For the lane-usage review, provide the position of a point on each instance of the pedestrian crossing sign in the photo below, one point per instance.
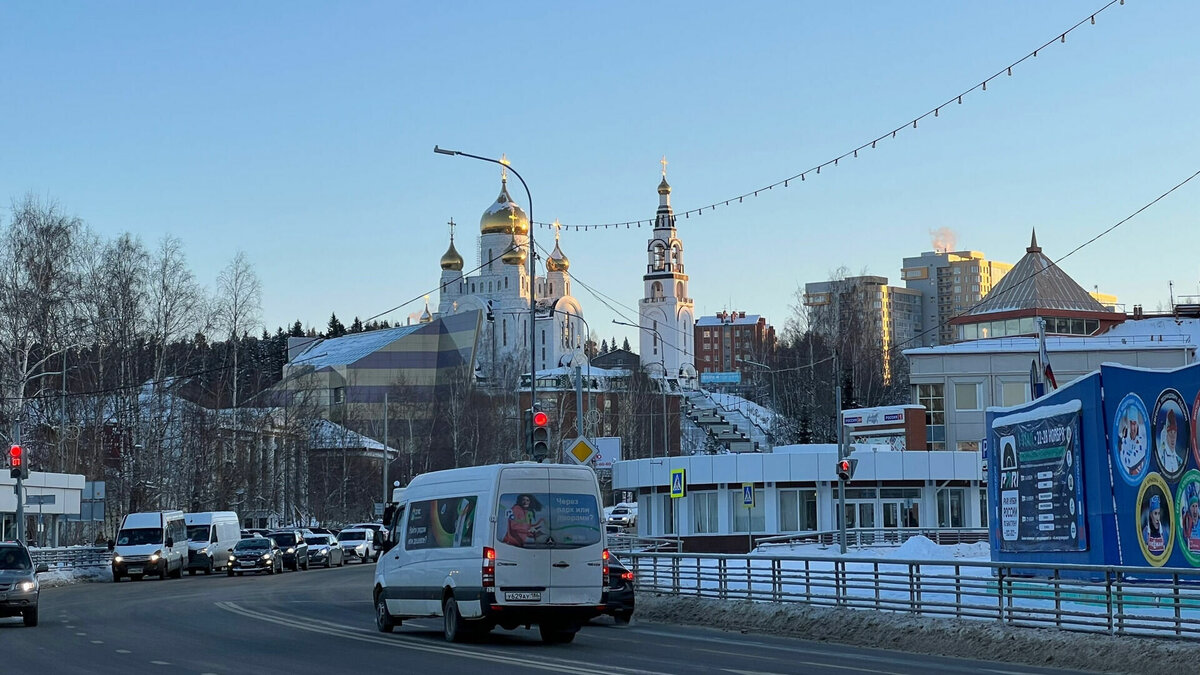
(678, 483)
(748, 495)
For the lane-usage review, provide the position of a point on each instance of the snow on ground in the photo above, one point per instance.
(65, 576)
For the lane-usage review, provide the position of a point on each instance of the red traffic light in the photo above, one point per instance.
(540, 419)
(14, 456)
(844, 466)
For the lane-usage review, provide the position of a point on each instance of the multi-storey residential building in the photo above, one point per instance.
(731, 341)
(893, 314)
(950, 283)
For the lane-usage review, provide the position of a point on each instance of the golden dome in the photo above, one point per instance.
(515, 255)
(557, 262)
(504, 216)
(426, 315)
(451, 260)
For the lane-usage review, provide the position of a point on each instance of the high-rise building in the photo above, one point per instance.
(892, 314)
(950, 283)
(729, 341)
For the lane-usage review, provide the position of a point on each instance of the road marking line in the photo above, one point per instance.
(123, 651)
(97, 642)
(81, 634)
(161, 663)
(363, 635)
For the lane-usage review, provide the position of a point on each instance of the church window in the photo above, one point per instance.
(504, 327)
(551, 288)
(659, 255)
(489, 287)
(506, 283)
(679, 289)
(656, 291)
(543, 341)
(489, 258)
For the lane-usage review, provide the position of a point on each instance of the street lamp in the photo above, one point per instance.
(579, 404)
(663, 363)
(532, 272)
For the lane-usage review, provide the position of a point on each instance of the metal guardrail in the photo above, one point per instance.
(72, 557)
(631, 543)
(1162, 602)
(881, 536)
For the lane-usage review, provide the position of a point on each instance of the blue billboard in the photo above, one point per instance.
(1135, 483)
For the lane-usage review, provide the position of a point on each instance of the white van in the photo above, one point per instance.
(153, 543)
(503, 545)
(211, 538)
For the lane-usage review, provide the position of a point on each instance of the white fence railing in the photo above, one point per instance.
(1115, 600)
(72, 557)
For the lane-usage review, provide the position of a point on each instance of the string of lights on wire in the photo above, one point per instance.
(853, 153)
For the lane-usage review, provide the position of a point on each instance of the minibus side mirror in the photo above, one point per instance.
(111, 544)
(42, 567)
(388, 512)
(170, 542)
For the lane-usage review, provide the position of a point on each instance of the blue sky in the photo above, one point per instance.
(302, 133)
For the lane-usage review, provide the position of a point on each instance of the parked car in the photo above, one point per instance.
(618, 595)
(357, 543)
(323, 530)
(323, 549)
(19, 589)
(295, 550)
(254, 555)
(623, 515)
(247, 534)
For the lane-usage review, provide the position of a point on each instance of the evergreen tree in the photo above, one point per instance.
(335, 329)
(357, 326)
(297, 329)
(604, 346)
(625, 345)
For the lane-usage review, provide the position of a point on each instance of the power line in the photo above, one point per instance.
(910, 125)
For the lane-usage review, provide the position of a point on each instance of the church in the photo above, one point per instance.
(500, 285)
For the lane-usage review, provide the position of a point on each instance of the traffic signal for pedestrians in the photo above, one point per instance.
(16, 461)
(540, 447)
(845, 468)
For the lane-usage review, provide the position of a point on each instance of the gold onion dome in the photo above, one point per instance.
(557, 262)
(451, 260)
(664, 188)
(426, 315)
(504, 216)
(515, 255)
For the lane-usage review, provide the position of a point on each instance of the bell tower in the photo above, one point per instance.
(666, 311)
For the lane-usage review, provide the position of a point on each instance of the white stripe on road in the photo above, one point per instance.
(363, 635)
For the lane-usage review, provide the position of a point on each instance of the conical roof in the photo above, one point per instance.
(1035, 282)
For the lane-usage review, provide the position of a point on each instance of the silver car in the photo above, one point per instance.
(19, 588)
(357, 543)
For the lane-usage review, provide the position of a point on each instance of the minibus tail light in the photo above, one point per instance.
(489, 569)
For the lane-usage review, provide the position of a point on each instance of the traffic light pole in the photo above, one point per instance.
(20, 486)
(837, 390)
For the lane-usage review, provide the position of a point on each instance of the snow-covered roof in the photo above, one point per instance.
(595, 371)
(730, 320)
(326, 435)
(350, 348)
(753, 411)
(1143, 334)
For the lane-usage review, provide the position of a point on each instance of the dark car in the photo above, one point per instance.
(321, 530)
(618, 596)
(19, 588)
(295, 549)
(323, 549)
(254, 555)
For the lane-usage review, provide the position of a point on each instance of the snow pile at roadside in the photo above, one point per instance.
(65, 576)
(918, 547)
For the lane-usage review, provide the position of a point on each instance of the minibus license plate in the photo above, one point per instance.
(528, 596)
(135, 570)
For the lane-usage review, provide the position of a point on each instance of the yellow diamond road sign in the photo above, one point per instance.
(581, 450)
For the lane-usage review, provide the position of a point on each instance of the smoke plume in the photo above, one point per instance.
(944, 239)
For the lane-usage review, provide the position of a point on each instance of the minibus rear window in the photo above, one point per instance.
(554, 520)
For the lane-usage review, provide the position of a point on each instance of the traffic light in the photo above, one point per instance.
(540, 447)
(16, 462)
(845, 468)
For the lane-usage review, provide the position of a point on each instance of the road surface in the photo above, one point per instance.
(321, 621)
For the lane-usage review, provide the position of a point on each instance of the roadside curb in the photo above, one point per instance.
(966, 638)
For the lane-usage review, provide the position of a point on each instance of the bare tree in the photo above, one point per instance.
(237, 305)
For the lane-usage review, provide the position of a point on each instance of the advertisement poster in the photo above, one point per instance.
(555, 520)
(440, 523)
(1041, 500)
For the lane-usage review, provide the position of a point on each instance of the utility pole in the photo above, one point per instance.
(20, 487)
(841, 430)
(386, 496)
(579, 401)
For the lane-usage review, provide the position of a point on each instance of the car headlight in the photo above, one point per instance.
(266, 556)
(155, 556)
(117, 558)
(28, 585)
(291, 550)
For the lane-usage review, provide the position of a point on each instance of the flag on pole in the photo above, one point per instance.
(1047, 371)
